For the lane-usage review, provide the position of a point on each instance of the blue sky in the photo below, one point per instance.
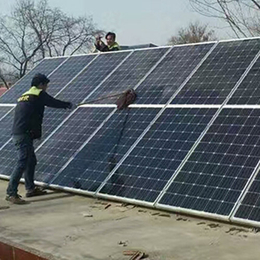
(136, 21)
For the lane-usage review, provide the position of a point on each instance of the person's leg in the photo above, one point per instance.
(30, 169)
(29, 176)
(21, 144)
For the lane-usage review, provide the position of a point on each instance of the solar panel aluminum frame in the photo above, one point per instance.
(241, 39)
(113, 197)
(7, 105)
(190, 211)
(134, 50)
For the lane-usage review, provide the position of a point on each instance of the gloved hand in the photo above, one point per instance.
(72, 106)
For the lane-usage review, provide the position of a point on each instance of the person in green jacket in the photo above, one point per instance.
(111, 45)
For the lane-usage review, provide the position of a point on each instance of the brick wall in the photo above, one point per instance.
(9, 252)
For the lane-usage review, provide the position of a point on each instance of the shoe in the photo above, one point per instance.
(16, 199)
(35, 192)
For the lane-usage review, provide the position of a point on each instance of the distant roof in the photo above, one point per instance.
(2, 91)
(139, 46)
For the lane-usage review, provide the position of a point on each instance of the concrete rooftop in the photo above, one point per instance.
(72, 227)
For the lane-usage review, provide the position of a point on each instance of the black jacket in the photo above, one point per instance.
(29, 111)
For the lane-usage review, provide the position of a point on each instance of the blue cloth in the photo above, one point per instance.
(25, 164)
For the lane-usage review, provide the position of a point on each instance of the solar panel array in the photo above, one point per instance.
(189, 144)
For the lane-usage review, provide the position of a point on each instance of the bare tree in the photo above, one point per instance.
(34, 30)
(242, 16)
(195, 32)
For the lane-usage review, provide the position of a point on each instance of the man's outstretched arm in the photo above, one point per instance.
(50, 101)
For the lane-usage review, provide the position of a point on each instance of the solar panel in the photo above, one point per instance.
(65, 142)
(129, 73)
(217, 171)
(216, 77)
(92, 77)
(248, 93)
(67, 71)
(100, 155)
(161, 84)
(44, 67)
(145, 172)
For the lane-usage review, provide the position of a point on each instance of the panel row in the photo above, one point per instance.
(158, 73)
(91, 149)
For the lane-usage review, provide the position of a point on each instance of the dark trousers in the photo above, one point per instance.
(26, 164)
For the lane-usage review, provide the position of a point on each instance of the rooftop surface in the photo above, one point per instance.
(72, 227)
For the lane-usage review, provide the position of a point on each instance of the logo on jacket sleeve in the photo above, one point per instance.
(23, 98)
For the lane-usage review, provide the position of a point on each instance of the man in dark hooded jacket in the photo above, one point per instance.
(27, 126)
